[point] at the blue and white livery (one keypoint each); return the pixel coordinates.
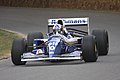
(64, 42)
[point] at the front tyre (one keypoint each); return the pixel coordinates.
(18, 48)
(89, 53)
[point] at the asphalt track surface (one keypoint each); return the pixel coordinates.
(27, 20)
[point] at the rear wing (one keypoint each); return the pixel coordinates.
(70, 22)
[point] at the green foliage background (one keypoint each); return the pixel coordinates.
(77, 4)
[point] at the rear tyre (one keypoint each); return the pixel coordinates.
(89, 53)
(102, 41)
(18, 48)
(31, 37)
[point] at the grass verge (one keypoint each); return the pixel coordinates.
(6, 38)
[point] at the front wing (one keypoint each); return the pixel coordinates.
(46, 57)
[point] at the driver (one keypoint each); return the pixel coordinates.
(60, 30)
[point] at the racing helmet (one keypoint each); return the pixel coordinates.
(57, 28)
(61, 23)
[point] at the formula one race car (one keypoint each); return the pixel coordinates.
(63, 43)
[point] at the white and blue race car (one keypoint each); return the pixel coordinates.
(84, 46)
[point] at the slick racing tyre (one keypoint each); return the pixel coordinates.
(89, 53)
(102, 41)
(18, 48)
(31, 37)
